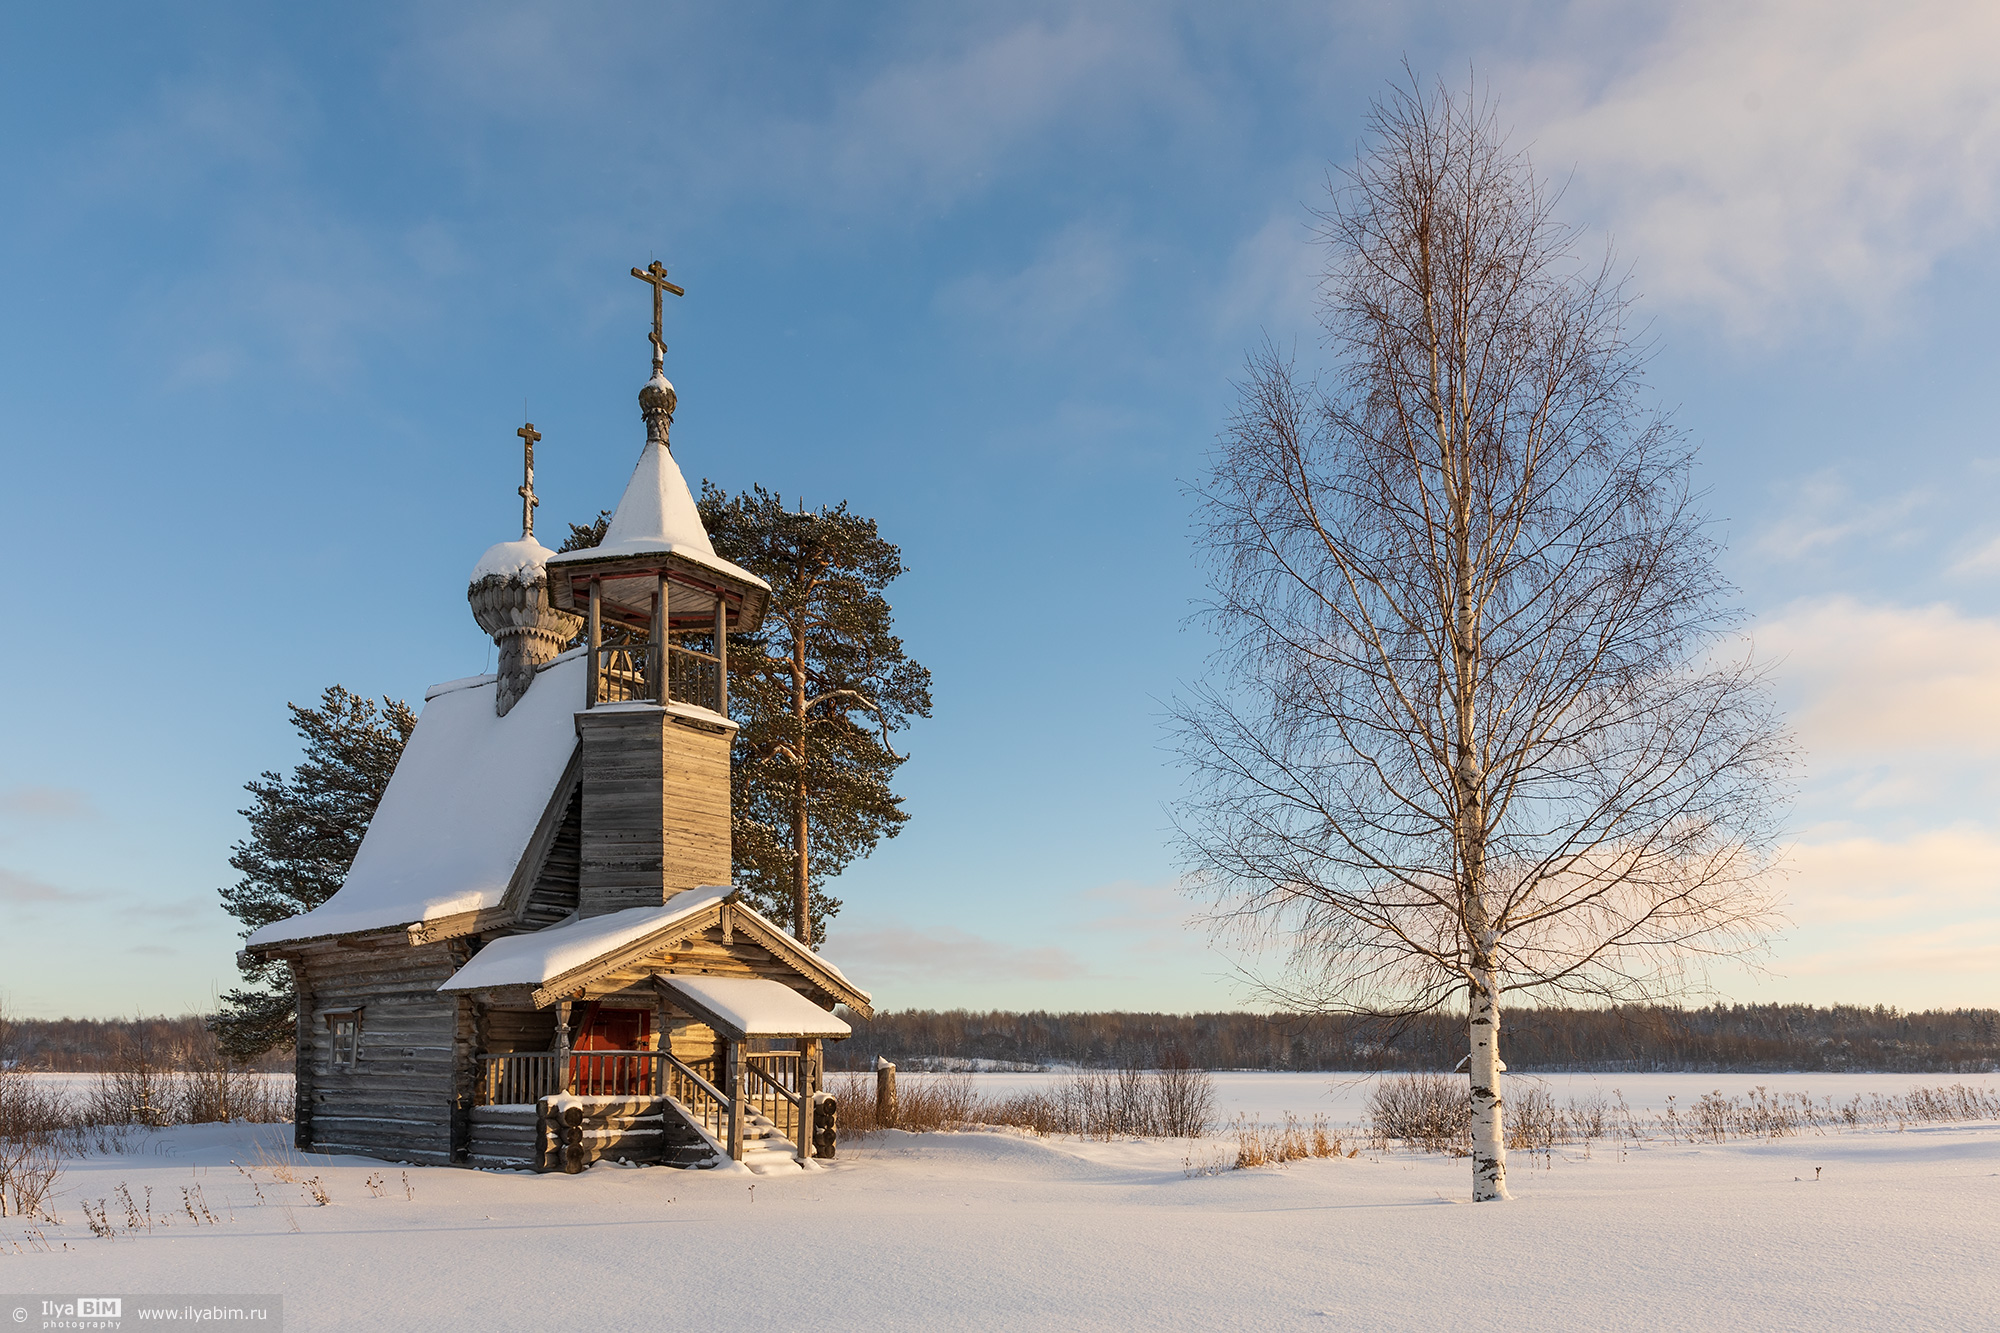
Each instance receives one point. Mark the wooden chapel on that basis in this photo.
(536, 959)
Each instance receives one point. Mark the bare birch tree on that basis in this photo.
(1479, 724)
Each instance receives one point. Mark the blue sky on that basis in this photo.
(281, 281)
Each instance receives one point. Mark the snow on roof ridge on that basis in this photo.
(457, 816)
(657, 508)
(454, 686)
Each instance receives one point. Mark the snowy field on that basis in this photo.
(1856, 1230)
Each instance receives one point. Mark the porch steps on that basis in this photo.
(765, 1150)
(643, 1130)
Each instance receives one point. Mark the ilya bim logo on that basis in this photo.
(78, 1312)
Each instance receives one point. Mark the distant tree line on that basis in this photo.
(90, 1045)
(1636, 1038)
(1627, 1038)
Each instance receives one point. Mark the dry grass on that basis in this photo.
(190, 1084)
(1433, 1112)
(1173, 1102)
(1293, 1141)
(1428, 1111)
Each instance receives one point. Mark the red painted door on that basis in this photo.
(605, 1029)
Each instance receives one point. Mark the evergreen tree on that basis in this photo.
(304, 832)
(816, 692)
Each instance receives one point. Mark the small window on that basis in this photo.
(346, 1039)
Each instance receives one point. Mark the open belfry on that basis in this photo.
(536, 959)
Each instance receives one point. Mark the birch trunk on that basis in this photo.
(801, 838)
(1489, 1137)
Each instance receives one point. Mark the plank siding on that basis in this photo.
(655, 816)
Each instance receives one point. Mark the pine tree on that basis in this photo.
(817, 693)
(304, 832)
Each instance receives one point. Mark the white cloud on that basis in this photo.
(1894, 685)
(1867, 879)
(1777, 160)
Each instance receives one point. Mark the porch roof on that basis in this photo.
(741, 1007)
(540, 956)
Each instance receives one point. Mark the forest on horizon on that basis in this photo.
(1639, 1038)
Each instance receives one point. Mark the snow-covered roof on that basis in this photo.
(657, 515)
(521, 560)
(544, 955)
(460, 810)
(755, 1007)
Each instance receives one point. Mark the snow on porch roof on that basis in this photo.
(543, 955)
(458, 812)
(754, 1007)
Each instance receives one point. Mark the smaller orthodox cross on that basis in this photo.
(655, 273)
(528, 435)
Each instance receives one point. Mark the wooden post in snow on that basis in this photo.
(885, 1094)
(562, 1045)
(732, 1059)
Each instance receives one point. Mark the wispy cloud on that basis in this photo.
(1271, 279)
(1774, 161)
(907, 954)
(21, 890)
(1941, 956)
(1822, 512)
(1077, 273)
(38, 803)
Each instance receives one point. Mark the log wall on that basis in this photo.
(407, 1096)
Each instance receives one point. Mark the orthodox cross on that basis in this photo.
(655, 274)
(528, 435)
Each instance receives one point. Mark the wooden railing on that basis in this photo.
(529, 1076)
(628, 672)
(625, 673)
(510, 1080)
(772, 1085)
(694, 678)
(614, 1073)
(693, 1086)
(772, 1090)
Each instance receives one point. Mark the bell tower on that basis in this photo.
(657, 606)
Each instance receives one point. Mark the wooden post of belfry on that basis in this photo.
(721, 655)
(596, 632)
(885, 1094)
(658, 642)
